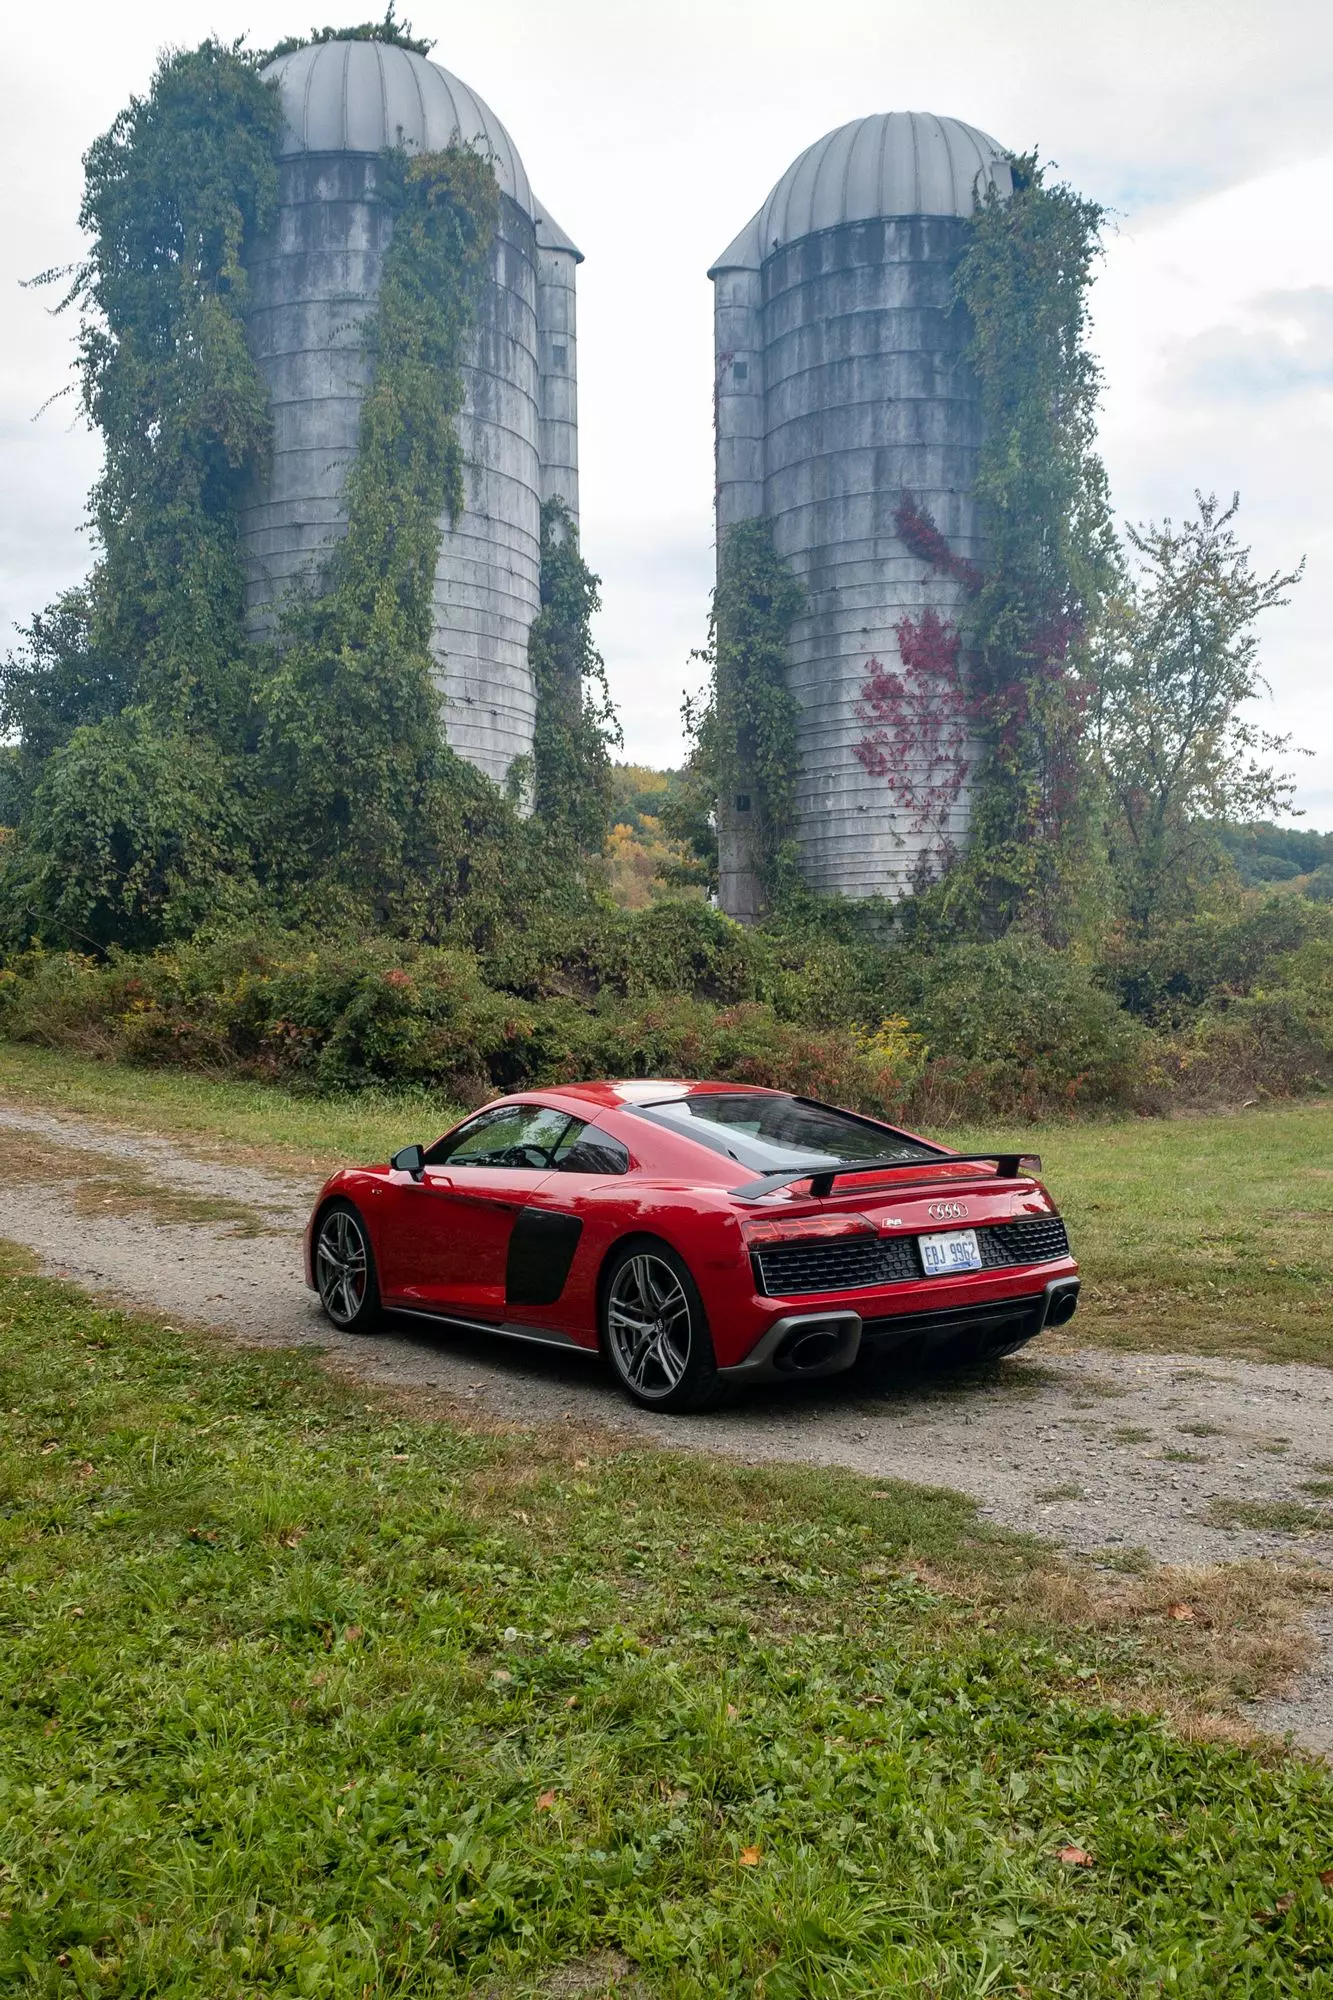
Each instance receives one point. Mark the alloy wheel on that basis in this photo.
(341, 1266)
(648, 1320)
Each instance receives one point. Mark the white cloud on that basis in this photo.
(1215, 327)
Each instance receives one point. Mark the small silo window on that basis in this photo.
(742, 802)
(559, 355)
(740, 371)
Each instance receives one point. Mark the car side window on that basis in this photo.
(585, 1150)
(513, 1135)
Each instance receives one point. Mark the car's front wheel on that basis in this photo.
(345, 1270)
(655, 1332)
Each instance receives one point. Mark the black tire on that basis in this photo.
(345, 1275)
(666, 1361)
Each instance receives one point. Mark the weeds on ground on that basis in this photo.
(301, 1693)
(1282, 1517)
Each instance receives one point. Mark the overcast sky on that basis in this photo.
(654, 133)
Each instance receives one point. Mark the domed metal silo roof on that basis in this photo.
(361, 97)
(895, 163)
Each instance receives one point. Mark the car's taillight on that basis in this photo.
(806, 1229)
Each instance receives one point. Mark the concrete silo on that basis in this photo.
(313, 284)
(842, 383)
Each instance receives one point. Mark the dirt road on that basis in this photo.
(1105, 1453)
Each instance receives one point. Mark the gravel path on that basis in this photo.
(1105, 1453)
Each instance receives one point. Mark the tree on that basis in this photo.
(1180, 660)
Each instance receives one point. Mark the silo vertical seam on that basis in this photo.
(950, 169)
(347, 71)
(846, 177)
(384, 95)
(425, 115)
(305, 105)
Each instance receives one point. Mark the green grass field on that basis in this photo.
(1209, 1235)
(302, 1694)
(256, 1121)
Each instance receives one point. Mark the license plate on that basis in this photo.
(951, 1250)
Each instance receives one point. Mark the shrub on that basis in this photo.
(341, 1017)
(1007, 1029)
(1164, 978)
(1020, 1027)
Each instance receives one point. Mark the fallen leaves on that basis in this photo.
(1287, 1901)
(1180, 1611)
(750, 1857)
(546, 1801)
(1075, 1857)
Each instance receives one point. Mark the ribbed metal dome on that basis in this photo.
(895, 163)
(361, 97)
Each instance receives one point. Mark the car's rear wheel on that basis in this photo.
(345, 1270)
(655, 1332)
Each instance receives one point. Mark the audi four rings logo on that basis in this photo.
(947, 1211)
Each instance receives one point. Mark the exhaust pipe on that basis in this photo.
(802, 1344)
(812, 1350)
(1061, 1304)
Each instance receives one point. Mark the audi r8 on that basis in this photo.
(697, 1235)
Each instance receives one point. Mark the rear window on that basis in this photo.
(779, 1134)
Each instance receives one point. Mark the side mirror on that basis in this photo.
(411, 1160)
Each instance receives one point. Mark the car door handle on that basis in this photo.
(475, 1197)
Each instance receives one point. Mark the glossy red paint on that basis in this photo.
(445, 1243)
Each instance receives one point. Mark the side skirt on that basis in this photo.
(535, 1336)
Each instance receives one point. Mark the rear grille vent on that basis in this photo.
(1038, 1239)
(847, 1264)
(859, 1263)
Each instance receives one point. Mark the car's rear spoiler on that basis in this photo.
(1007, 1166)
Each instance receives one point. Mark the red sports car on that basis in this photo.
(696, 1234)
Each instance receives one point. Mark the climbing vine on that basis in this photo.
(576, 723)
(916, 726)
(353, 743)
(390, 29)
(1051, 555)
(744, 735)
